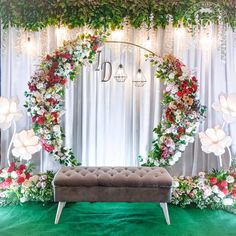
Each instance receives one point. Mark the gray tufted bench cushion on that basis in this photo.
(112, 184)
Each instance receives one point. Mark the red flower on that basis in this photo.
(0, 171)
(179, 94)
(223, 184)
(52, 101)
(22, 167)
(194, 79)
(180, 130)
(66, 55)
(55, 116)
(20, 179)
(10, 169)
(54, 65)
(41, 120)
(27, 175)
(34, 118)
(48, 57)
(47, 147)
(234, 185)
(213, 180)
(225, 191)
(63, 81)
(234, 193)
(8, 180)
(194, 87)
(32, 87)
(19, 172)
(95, 47)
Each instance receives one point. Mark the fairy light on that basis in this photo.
(30, 46)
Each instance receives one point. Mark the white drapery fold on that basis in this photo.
(111, 123)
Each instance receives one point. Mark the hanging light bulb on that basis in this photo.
(29, 46)
(61, 33)
(118, 35)
(120, 75)
(140, 79)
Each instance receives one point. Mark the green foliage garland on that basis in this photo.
(37, 14)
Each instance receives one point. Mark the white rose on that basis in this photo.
(171, 75)
(177, 156)
(221, 195)
(230, 179)
(43, 184)
(57, 128)
(215, 189)
(34, 178)
(175, 184)
(171, 162)
(207, 192)
(181, 147)
(228, 201)
(14, 175)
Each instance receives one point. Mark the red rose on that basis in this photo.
(27, 175)
(179, 94)
(48, 57)
(13, 164)
(54, 65)
(22, 167)
(234, 185)
(8, 180)
(32, 87)
(234, 193)
(55, 116)
(180, 130)
(19, 172)
(34, 118)
(63, 81)
(10, 169)
(66, 55)
(213, 180)
(41, 120)
(20, 179)
(225, 191)
(223, 184)
(194, 79)
(95, 47)
(47, 147)
(194, 87)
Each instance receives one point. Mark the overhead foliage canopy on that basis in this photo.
(37, 14)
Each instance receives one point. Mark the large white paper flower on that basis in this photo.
(25, 144)
(226, 105)
(214, 140)
(8, 112)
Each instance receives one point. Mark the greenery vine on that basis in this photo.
(37, 14)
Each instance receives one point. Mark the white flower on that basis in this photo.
(34, 178)
(207, 192)
(177, 156)
(216, 199)
(23, 199)
(14, 175)
(43, 184)
(228, 201)
(25, 144)
(8, 112)
(227, 105)
(201, 174)
(215, 189)
(57, 128)
(230, 179)
(175, 184)
(214, 140)
(182, 147)
(221, 195)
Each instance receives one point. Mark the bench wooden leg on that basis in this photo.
(165, 211)
(59, 210)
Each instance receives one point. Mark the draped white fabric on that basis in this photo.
(111, 123)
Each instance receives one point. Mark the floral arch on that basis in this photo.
(181, 114)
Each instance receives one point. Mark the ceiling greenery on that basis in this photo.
(37, 14)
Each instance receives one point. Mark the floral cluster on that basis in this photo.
(18, 185)
(45, 98)
(12, 180)
(214, 190)
(182, 111)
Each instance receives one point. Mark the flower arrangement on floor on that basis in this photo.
(214, 190)
(181, 113)
(45, 98)
(18, 185)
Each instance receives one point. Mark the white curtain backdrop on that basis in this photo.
(111, 123)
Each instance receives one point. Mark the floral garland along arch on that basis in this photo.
(45, 101)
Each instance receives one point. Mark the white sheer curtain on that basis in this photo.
(111, 123)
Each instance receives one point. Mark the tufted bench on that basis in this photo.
(112, 184)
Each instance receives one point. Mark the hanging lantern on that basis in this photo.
(140, 79)
(120, 75)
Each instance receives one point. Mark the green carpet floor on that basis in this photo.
(133, 219)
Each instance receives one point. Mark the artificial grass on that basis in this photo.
(119, 219)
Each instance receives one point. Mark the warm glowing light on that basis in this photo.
(147, 43)
(61, 33)
(120, 75)
(118, 35)
(180, 32)
(30, 47)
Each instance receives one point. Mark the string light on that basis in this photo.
(61, 34)
(117, 35)
(29, 46)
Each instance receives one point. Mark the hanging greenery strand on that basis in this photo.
(103, 14)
